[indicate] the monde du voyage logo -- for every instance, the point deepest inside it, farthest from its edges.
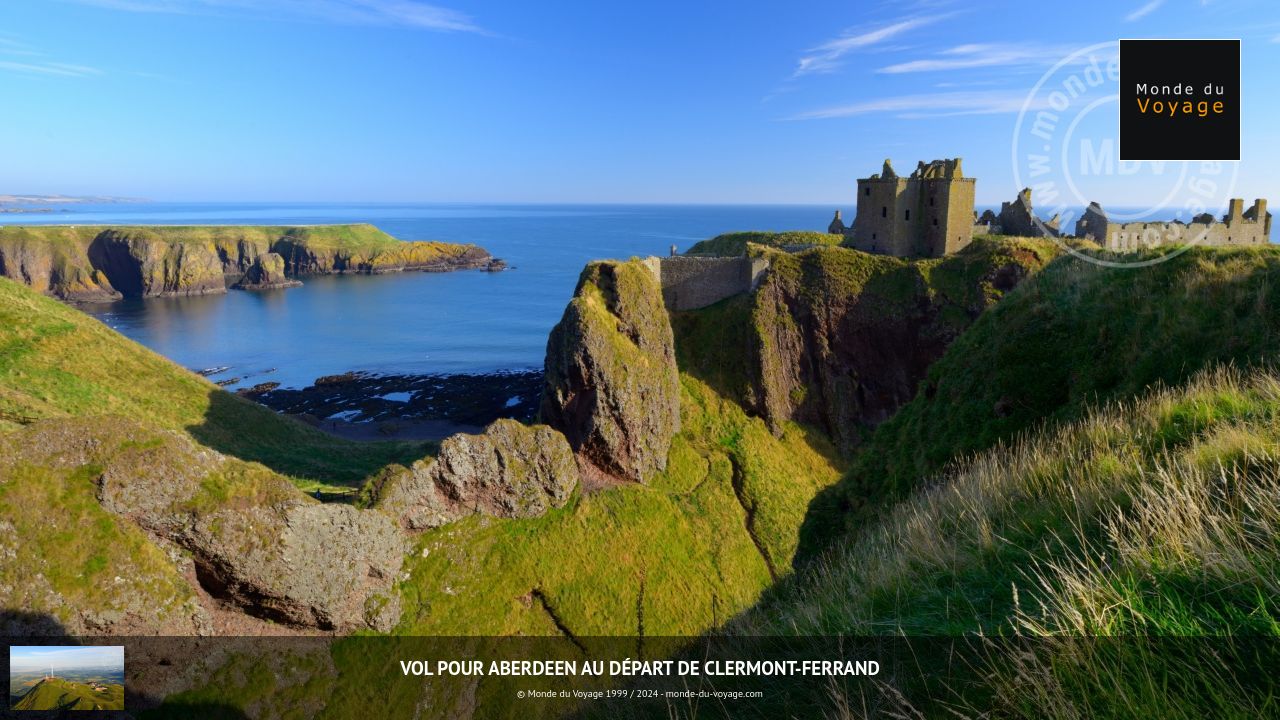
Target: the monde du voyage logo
(1179, 99)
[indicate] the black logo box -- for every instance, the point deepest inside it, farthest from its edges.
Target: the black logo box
(1180, 63)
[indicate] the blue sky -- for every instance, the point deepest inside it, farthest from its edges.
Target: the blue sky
(41, 657)
(399, 100)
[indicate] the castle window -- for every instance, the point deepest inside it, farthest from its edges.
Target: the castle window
(884, 211)
(907, 216)
(867, 191)
(873, 237)
(931, 204)
(935, 222)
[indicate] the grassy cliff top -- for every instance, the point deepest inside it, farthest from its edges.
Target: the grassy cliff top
(60, 694)
(361, 237)
(58, 362)
(735, 243)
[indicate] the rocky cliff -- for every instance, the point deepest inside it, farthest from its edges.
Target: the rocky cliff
(612, 386)
(840, 339)
(85, 263)
(266, 273)
(511, 470)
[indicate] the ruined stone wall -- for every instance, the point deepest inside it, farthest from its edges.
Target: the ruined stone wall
(1238, 227)
(689, 283)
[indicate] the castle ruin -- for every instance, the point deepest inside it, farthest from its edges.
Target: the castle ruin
(1018, 219)
(931, 214)
(928, 214)
(1237, 227)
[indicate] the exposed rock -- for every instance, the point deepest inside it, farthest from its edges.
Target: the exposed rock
(256, 541)
(327, 566)
(511, 470)
(612, 386)
(266, 273)
(140, 263)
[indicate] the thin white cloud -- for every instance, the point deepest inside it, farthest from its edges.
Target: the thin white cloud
(1144, 11)
(399, 13)
(982, 55)
(49, 68)
(927, 105)
(827, 56)
(33, 62)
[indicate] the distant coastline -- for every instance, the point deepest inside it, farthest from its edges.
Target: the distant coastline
(67, 200)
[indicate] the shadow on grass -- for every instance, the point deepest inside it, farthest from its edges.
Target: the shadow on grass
(243, 429)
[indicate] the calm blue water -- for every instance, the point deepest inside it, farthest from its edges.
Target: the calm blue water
(468, 321)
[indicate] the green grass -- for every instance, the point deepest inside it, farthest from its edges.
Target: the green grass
(60, 542)
(57, 362)
(362, 238)
(735, 243)
(674, 557)
(1073, 336)
(1154, 517)
(59, 694)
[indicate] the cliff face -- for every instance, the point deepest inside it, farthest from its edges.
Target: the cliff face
(95, 263)
(612, 386)
(841, 339)
(844, 339)
(141, 264)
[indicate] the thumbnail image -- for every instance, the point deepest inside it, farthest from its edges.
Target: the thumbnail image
(66, 677)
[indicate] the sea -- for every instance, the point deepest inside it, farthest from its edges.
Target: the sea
(404, 323)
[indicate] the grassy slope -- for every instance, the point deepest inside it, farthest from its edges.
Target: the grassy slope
(676, 552)
(1155, 516)
(1150, 517)
(1076, 335)
(59, 694)
(735, 243)
(57, 362)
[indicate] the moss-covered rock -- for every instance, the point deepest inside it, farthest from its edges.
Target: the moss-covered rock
(511, 470)
(249, 537)
(612, 386)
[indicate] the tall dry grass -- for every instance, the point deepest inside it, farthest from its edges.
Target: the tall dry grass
(1128, 564)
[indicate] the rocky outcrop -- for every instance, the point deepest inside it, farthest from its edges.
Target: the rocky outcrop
(266, 273)
(303, 256)
(324, 566)
(511, 471)
(612, 386)
(89, 264)
(253, 540)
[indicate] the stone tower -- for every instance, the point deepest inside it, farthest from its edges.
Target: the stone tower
(928, 214)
